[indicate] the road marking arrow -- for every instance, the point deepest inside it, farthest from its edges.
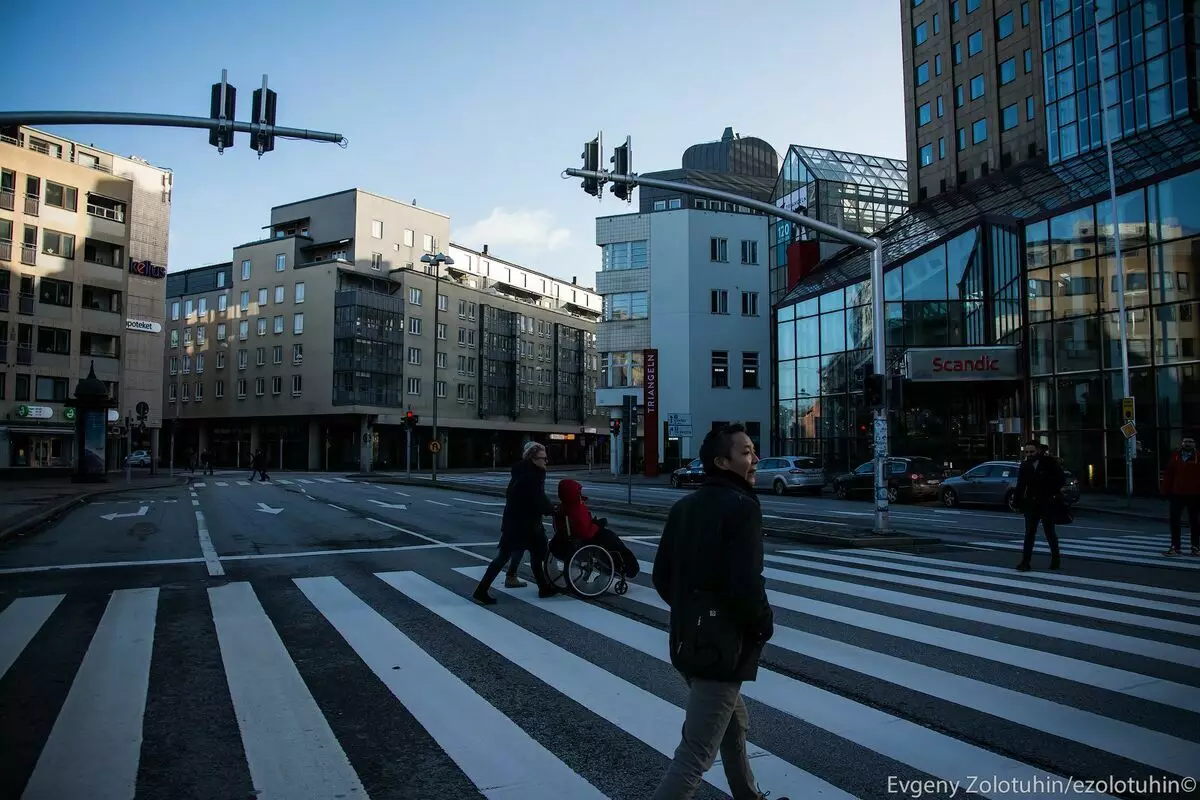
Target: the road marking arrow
(400, 506)
(141, 512)
(266, 509)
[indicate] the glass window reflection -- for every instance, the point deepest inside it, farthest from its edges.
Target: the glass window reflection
(1080, 402)
(1077, 345)
(1039, 294)
(1179, 206)
(786, 340)
(808, 377)
(808, 337)
(925, 276)
(1137, 280)
(1137, 331)
(1075, 289)
(1041, 349)
(1037, 244)
(1072, 235)
(833, 332)
(1176, 333)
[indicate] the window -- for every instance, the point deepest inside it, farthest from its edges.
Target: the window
(1024, 15)
(201, 334)
(718, 249)
(972, 6)
(979, 131)
(298, 323)
(720, 369)
(1008, 71)
(1009, 117)
(414, 356)
(220, 331)
(376, 229)
(54, 293)
(50, 390)
(174, 368)
(279, 293)
(962, 139)
(260, 385)
(975, 43)
(941, 148)
(280, 262)
(750, 370)
(937, 64)
(299, 298)
(1028, 61)
(749, 304)
(923, 74)
(241, 388)
(959, 98)
(202, 306)
(937, 24)
(749, 251)
(174, 310)
(408, 238)
(926, 155)
(244, 329)
(659, 205)
(1029, 108)
(220, 359)
(200, 362)
(626, 305)
(246, 270)
(977, 87)
(1004, 27)
(720, 301)
(262, 297)
(954, 14)
(56, 341)
(414, 296)
(244, 301)
(297, 353)
(414, 386)
(924, 115)
(220, 280)
(58, 244)
(920, 35)
(624, 255)
(297, 385)
(957, 52)
(172, 393)
(414, 326)
(376, 261)
(189, 308)
(59, 196)
(243, 358)
(219, 389)
(222, 302)
(277, 354)
(443, 302)
(276, 385)
(941, 109)
(260, 356)
(262, 326)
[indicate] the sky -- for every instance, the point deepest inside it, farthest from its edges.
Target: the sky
(469, 107)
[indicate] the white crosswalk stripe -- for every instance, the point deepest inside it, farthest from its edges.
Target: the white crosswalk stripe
(396, 684)
(1134, 549)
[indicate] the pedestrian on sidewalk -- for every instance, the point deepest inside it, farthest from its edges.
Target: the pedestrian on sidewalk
(521, 525)
(1038, 494)
(259, 466)
(708, 570)
(1181, 487)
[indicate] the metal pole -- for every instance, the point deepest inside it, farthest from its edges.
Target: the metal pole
(879, 347)
(128, 448)
(159, 121)
(171, 457)
(437, 282)
(408, 449)
(629, 463)
(1131, 443)
(876, 247)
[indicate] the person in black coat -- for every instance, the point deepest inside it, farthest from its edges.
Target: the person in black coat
(708, 569)
(521, 526)
(1040, 482)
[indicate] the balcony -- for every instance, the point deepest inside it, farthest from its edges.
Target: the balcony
(25, 303)
(3, 352)
(29, 254)
(7, 199)
(33, 204)
(24, 354)
(5, 250)
(114, 212)
(3, 304)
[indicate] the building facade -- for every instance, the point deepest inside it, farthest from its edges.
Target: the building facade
(1012, 283)
(83, 257)
(317, 340)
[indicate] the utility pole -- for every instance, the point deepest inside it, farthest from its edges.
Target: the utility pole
(593, 182)
(436, 262)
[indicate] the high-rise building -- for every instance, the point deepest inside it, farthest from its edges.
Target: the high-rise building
(972, 90)
(317, 340)
(685, 306)
(83, 246)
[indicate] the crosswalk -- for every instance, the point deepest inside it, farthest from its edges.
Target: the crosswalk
(1134, 549)
(223, 484)
(886, 670)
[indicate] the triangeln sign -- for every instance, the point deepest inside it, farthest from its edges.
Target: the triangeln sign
(963, 363)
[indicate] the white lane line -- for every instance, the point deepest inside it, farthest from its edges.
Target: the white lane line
(640, 713)
(199, 485)
(206, 547)
(354, 551)
(490, 513)
(304, 480)
(222, 483)
(324, 480)
(1119, 557)
(1012, 598)
(458, 548)
(475, 502)
(468, 733)
(343, 480)
(154, 562)
(1084, 594)
(896, 738)
(438, 503)
(195, 502)
(284, 482)
(243, 483)
(339, 508)
(290, 749)
(802, 519)
(95, 745)
(1037, 576)
(20, 622)
(402, 494)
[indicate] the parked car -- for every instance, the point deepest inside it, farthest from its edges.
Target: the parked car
(993, 484)
(138, 458)
(691, 475)
(783, 474)
(907, 479)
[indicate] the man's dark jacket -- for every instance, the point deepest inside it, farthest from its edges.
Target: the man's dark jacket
(713, 542)
(526, 504)
(1039, 485)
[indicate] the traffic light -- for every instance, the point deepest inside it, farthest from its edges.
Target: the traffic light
(591, 163)
(615, 427)
(410, 419)
(622, 161)
(872, 387)
(222, 105)
(264, 114)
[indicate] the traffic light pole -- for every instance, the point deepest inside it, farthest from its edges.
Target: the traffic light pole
(880, 432)
(161, 121)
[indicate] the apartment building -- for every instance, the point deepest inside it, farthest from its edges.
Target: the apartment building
(315, 342)
(972, 89)
(83, 247)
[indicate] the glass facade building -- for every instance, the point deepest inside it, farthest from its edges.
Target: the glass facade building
(1143, 68)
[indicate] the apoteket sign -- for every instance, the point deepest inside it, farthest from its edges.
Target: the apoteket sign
(963, 363)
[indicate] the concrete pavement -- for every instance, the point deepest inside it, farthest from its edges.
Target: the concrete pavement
(315, 635)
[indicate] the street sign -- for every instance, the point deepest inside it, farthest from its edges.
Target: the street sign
(35, 412)
(679, 425)
(1127, 409)
(1129, 429)
(435, 446)
(142, 408)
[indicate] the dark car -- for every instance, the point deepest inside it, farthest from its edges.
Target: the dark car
(992, 484)
(691, 475)
(908, 479)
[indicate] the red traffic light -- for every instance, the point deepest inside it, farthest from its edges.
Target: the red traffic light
(409, 415)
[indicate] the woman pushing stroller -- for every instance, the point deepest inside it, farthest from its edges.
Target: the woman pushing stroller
(573, 519)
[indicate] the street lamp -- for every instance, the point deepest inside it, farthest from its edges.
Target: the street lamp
(436, 261)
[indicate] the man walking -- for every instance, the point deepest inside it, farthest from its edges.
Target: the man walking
(1181, 486)
(708, 570)
(1038, 494)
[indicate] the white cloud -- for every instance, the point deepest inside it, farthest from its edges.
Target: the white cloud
(532, 229)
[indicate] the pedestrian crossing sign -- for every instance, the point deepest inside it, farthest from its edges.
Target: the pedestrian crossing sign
(1127, 409)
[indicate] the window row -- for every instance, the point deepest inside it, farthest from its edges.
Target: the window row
(718, 250)
(720, 366)
(719, 302)
(194, 392)
(278, 327)
(183, 364)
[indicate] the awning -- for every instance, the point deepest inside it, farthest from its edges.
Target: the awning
(45, 430)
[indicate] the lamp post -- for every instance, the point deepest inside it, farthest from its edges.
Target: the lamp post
(436, 261)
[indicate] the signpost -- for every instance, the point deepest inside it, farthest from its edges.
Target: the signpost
(631, 422)
(679, 425)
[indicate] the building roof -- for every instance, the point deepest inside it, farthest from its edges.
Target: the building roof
(1030, 190)
(759, 188)
(842, 167)
(529, 270)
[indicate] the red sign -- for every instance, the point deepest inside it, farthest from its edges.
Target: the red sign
(985, 364)
(963, 363)
(146, 269)
(650, 405)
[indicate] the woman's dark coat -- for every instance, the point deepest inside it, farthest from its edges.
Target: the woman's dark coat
(526, 504)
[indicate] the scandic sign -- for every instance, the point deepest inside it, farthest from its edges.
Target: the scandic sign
(963, 363)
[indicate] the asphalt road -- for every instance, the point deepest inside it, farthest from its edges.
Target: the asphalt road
(312, 638)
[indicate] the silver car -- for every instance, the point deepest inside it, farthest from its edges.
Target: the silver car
(785, 474)
(993, 483)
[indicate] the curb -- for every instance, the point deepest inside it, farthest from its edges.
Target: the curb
(46, 515)
(660, 514)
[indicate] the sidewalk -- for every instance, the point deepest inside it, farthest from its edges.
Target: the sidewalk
(24, 505)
